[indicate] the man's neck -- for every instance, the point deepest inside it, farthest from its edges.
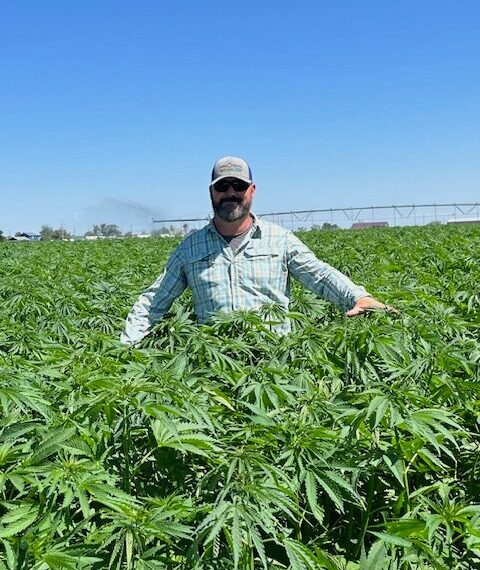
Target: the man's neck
(233, 228)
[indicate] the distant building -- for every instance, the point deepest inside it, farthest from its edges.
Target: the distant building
(30, 236)
(366, 225)
(463, 221)
(17, 238)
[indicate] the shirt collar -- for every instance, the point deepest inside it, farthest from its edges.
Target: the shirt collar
(256, 226)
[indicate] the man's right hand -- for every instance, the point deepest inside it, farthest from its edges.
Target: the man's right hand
(369, 305)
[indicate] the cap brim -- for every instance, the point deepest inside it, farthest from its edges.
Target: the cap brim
(243, 178)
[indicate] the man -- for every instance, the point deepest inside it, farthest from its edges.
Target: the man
(238, 261)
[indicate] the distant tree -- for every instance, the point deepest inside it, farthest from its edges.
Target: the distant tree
(328, 226)
(61, 233)
(46, 233)
(1, 236)
(434, 223)
(110, 230)
(104, 230)
(172, 230)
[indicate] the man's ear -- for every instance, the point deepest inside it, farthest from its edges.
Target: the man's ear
(254, 188)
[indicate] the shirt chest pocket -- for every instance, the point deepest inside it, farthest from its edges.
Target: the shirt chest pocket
(206, 268)
(263, 265)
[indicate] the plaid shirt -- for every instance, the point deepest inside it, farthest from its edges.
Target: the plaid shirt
(221, 280)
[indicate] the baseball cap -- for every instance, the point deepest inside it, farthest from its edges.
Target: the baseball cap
(231, 167)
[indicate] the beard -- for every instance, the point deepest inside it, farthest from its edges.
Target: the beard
(231, 209)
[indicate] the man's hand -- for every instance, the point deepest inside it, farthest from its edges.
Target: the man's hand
(368, 305)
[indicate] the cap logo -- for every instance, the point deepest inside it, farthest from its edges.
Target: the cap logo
(230, 168)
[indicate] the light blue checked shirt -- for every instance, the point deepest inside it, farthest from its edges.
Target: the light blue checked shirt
(223, 280)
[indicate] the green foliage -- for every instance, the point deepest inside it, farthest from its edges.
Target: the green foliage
(347, 445)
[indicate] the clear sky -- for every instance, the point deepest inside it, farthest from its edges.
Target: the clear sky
(346, 103)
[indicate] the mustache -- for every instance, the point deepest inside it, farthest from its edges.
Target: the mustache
(225, 200)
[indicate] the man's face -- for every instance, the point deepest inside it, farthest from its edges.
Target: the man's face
(232, 205)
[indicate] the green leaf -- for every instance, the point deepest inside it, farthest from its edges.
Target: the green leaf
(311, 491)
(392, 539)
(17, 520)
(377, 557)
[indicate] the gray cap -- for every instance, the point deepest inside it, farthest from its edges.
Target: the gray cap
(231, 167)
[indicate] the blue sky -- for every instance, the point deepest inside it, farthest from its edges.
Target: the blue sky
(333, 104)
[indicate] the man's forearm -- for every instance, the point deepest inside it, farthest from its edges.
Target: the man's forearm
(332, 285)
(155, 301)
(139, 321)
(321, 278)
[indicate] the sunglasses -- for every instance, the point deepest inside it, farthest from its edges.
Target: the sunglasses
(237, 185)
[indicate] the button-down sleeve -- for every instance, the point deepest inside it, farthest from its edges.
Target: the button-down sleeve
(319, 277)
(155, 301)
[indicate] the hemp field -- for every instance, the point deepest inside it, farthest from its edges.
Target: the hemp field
(350, 444)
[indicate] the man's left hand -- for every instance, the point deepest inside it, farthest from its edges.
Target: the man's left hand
(369, 305)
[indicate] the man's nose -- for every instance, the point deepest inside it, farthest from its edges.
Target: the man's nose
(230, 191)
